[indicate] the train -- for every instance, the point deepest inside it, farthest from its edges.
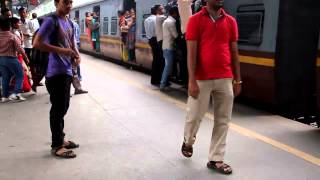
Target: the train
(279, 48)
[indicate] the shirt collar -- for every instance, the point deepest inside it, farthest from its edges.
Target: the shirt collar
(171, 18)
(204, 12)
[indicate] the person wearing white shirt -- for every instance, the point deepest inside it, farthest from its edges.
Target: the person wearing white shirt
(157, 65)
(35, 21)
(159, 21)
(27, 30)
(169, 35)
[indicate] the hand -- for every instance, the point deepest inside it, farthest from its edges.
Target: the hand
(26, 60)
(70, 53)
(193, 89)
(77, 61)
(236, 89)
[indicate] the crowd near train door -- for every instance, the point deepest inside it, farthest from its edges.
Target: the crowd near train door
(127, 25)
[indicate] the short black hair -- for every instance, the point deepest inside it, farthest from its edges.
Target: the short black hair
(14, 20)
(22, 9)
(34, 15)
(5, 24)
(157, 7)
(153, 11)
(4, 10)
(173, 10)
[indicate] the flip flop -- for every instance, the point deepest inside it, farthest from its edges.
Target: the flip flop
(71, 145)
(69, 154)
(224, 169)
(187, 151)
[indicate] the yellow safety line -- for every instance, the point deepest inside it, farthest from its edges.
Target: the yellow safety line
(243, 131)
(257, 60)
(318, 62)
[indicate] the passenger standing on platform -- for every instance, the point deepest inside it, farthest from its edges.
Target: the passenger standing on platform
(39, 63)
(76, 77)
(169, 35)
(159, 21)
(26, 85)
(76, 29)
(10, 46)
(185, 12)
(159, 34)
(214, 70)
(27, 30)
(6, 13)
(35, 21)
(57, 37)
(150, 27)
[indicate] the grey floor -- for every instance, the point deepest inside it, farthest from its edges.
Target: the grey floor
(127, 129)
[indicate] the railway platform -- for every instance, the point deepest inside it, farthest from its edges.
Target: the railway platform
(128, 129)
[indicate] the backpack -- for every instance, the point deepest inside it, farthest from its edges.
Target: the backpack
(40, 59)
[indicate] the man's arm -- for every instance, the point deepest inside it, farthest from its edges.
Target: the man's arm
(20, 50)
(235, 61)
(39, 43)
(236, 68)
(173, 30)
(192, 63)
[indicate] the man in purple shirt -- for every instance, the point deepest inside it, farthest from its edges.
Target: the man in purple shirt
(56, 36)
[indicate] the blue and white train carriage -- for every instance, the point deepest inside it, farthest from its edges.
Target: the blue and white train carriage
(279, 47)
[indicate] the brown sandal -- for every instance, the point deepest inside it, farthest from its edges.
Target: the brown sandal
(187, 151)
(67, 154)
(224, 168)
(70, 145)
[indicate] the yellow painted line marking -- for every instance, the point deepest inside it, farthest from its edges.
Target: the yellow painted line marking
(318, 61)
(243, 131)
(257, 61)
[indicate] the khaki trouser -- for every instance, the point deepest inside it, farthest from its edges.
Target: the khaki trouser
(221, 91)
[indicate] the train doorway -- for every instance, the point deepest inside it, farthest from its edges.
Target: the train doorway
(296, 56)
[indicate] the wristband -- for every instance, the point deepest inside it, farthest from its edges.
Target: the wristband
(237, 82)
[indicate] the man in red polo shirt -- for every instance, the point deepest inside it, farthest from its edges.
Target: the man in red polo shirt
(214, 70)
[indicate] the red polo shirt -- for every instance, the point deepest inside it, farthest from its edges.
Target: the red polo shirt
(214, 38)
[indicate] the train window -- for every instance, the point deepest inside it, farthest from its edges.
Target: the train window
(250, 21)
(114, 25)
(105, 26)
(143, 32)
(82, 26)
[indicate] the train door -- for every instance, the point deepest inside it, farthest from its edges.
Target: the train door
(296, 55)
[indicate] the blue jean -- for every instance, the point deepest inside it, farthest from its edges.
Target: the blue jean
(10, 66)
(168, 57)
